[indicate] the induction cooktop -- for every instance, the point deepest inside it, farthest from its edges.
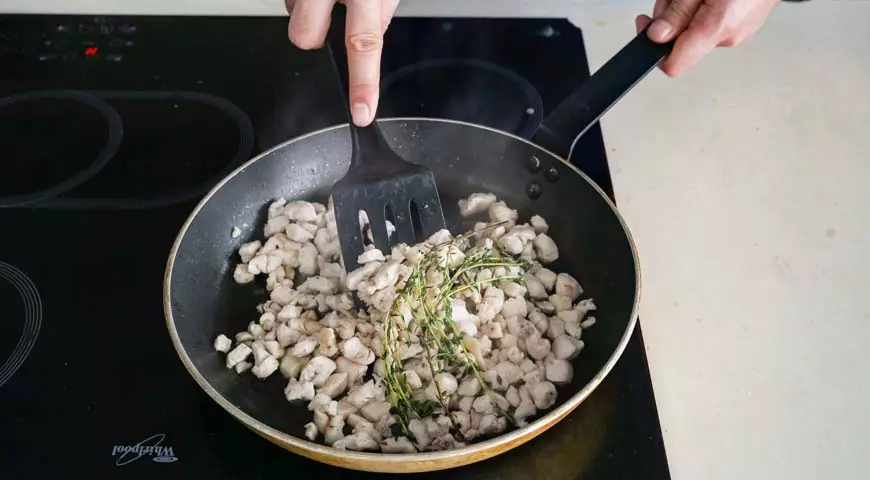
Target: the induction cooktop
(112, 128)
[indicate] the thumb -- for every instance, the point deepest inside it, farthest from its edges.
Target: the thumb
(673, 20)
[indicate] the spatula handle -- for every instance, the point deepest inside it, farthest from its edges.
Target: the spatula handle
(570, 119)
(369, 141)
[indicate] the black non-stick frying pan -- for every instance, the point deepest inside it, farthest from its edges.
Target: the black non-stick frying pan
(201, 300)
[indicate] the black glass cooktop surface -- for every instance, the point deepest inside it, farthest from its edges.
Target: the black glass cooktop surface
(111, 128)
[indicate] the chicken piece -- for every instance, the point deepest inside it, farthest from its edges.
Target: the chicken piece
(335, 430)
(364, 272)
(305, 346)
(297, 233)
(355, 371)
(362, 394)
(537, 347)
(546, 307)
(513, 289)
(371, 255)
(282, 295)
(512, 354)
(585, 306)
(439, 237)
(292, 365)
(319, 402)
(476, 203)
(373, 411)
(446, 383)
(243, 367)
(520, 328)
(492, 425)
(238, 354)
(222, 343)
(567, 286)
(492, 330)
(539, 224)
(308, 260)
(493, 301)
(510, 372)
(555, 328)
(266, 367)
(547, 278)
(327, 345)
(588, 323)
(248, 250)
(259, 351)
(276, 224)
(296, 390)
(277, 207)
(420, 432)
(335, 384)
(539, 320)
(317, 371)
(300, 211)
(571, 319)
(560, 303)
(559, 371)
(484, 405)
(242, 275)
(354, 350)
(513, 396)
(546, 248)
(397, 445)
(311, 431)
(544, 395)
(514, 307)
(565, 347)
(500, 212)
(317, 284)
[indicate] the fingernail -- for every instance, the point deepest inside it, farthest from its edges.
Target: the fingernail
(659, 30)
(361, 114)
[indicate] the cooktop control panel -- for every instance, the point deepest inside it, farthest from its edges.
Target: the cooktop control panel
(95, 39)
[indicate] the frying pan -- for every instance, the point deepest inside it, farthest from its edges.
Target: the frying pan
(201, 300)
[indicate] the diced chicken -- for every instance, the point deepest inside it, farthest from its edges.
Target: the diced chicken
(567, 286)
(544, 395)
(317, 371)
(334, 385)
(296, 390)
(559, 371)
(311, 431)
(292, 365)
(238, 354)
(222, 343)
(242, 275)
(566, 347)
(248, 250)
(539, 224)
(476, 203)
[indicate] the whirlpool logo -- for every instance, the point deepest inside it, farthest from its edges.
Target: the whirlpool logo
(151, 446)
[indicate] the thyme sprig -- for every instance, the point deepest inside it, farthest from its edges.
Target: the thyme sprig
(424, 308)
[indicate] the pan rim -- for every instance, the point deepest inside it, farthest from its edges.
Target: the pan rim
(427, 461)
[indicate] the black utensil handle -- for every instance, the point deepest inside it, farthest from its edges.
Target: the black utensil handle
(573, 117)
(363, 139)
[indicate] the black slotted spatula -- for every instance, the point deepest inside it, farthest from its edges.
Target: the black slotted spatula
(378, 180)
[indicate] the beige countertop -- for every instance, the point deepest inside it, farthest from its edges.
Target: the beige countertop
(747, 185)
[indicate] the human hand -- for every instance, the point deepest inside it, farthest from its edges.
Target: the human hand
(701, 25)
(367, 20)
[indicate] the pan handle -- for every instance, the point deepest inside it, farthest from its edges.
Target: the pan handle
(559, 130)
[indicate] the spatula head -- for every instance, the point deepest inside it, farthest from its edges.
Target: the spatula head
(408, 198)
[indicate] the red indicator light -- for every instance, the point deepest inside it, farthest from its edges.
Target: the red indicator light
(91, 51)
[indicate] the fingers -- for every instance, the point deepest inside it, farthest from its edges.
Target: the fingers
(697, 41)
(641, 22)
(309, 22)
(364, 38)
(388, 10)
(673, 20)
